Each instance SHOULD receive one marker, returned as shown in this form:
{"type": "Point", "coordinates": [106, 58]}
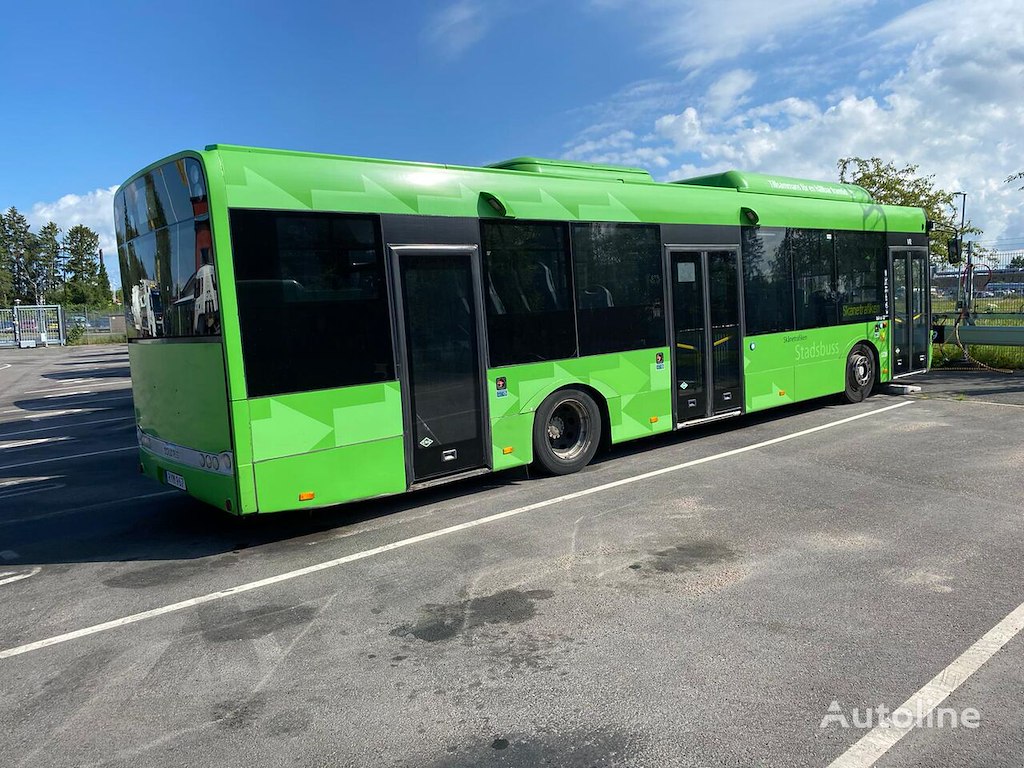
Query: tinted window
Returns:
{"type": "Point", "coordinates": [527, 286]}
{"type": "Point", "coordinates": [767, 280]}
{"type": "Point", "coordinates": [814, 282]}
{"type": "Point", "coordinates": [619, 293]}
{"type": "Point", "coordinates": [166, 253]}
{"type": "Point", "coordinates": [311, 301]}
{"type": "Point", "coordinates": [859, 260]}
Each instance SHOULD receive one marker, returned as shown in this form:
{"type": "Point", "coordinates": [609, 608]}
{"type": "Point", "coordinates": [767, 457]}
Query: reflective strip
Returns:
{"type": "Point", "coordinates": [217, 463]}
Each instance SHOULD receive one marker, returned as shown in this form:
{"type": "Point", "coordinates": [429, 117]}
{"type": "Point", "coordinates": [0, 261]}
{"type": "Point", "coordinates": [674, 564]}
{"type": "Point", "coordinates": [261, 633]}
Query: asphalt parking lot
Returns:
{"type": "Point", "coordinates": [702, 599]}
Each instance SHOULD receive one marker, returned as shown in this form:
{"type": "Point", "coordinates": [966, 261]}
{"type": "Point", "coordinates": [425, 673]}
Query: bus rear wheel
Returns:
{"type": "Point", "coordinates": [860, 374]}
{"type": "Point", "coordinates": [566, 431]}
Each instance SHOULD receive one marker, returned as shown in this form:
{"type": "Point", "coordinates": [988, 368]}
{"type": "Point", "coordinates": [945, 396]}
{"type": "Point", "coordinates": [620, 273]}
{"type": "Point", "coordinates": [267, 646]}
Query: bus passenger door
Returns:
{"type": "Point", "coordinates": [706, 324]}
{"type": "Point", "coordinates": [911, 317]}
{"type": "Point", "coordinates": [441, 360]}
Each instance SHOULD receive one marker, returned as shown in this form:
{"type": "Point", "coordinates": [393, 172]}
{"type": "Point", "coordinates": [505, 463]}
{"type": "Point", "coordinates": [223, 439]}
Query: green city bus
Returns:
{"type": "Point", "coordinates": [307, 330]}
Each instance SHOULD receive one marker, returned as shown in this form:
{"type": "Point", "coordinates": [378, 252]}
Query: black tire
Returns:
{"type": "Point", "coordinates": [566, 432]}
{"type": "Point", "coordinates": [860, 374]}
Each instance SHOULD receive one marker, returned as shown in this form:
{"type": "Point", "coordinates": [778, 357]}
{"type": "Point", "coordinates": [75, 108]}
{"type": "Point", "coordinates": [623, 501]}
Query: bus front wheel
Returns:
{"type": "Point", "coordinates": [566, 431]}
{"type": "Point", "coordinates": [860, 374]}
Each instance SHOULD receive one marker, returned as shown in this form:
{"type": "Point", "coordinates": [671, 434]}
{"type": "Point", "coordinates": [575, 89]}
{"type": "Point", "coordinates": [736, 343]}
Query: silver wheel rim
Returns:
{"type": "Point", "coordinates": [860, 370]}
{"type": "Point", "coordinates": [568, 429]}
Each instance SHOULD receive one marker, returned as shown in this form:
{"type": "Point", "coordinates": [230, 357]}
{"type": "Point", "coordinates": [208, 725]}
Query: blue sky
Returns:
{"type": "Point", "coordinates": [93, 92]}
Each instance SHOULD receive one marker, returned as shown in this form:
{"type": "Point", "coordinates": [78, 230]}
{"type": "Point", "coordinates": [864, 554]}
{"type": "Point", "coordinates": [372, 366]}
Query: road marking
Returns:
{"type": "Point", "coordinates": [174, 607]}
{"type": "Point", "coordinates": [27, 491]}
{"type": "Point", "coordinates": [88, 507]}
{"type": "Point", "coordinates": [11, 444]}
{"type": "Point", "coordinates": [23, 480]}
{"type": "Point", "coordinates": [93, 400]}
{"type": "Point", "coordinates": [5, 366]}
{"type": "Point", "coordinates": [68, 458]}
{"type": "Point", "coordinates": [122, 383]}
{"type": "Point", "coordinates": [11, 579]}
{"type": "Point", "coordinates": [36, 415]}
{"type": "Point", "coordinates": [884, 736]}
{"type": "Point", "coordinates": [65, 426]}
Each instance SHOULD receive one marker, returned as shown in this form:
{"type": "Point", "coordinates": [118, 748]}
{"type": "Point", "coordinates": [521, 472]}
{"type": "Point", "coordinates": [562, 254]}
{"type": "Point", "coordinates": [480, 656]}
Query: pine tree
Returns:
{"type": "Point", "coordinates": [102, 293]}
{"type": "Point", "coordinates": [50, 261]}
{"type": "Point", "coordinates": [20, 247]}
{"type": "Point", "coordinates": [81, 245]}
{"type": "Point", "coordinates": [6, 266]}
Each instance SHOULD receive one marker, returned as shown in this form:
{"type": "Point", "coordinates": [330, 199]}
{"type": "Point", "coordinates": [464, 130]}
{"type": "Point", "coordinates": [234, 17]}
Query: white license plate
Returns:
{"type": "Point", "coordinates": [176, 480]}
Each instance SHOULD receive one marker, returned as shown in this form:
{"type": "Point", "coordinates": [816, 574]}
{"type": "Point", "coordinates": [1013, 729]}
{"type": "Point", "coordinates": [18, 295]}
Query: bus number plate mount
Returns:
{"type": "Point", "coordinates": [173, 478]}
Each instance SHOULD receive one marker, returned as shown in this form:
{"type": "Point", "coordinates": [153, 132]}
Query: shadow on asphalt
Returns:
{"type": "Point", "coordinates": [177, 527]}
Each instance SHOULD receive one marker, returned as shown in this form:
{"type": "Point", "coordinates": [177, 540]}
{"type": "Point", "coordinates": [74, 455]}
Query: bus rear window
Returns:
{"type": "Point", "coordinates": [165, 249]}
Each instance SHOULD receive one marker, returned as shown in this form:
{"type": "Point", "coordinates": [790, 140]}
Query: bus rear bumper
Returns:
{"type": "Point", "coordinates": [209, 477]}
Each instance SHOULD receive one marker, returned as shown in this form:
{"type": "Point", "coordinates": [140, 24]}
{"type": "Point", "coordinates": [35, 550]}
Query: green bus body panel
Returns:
{"type": "Point", "coordinates": [759, 183]}
{"type": "Point", "coordinates": [341, 444]}
{"type": "Point", "coordinates": [180, 397]}
{"type": "Point", "coordinates": [216, 490]}
{"type": "Point", "coordinates": [781, 368]}
{"type": "Point", "coordinates": [635, 389]}
{"type": "Point", "coordinates": [258, 178]}
{"type": "Point", "coordinates": [335, 475]}
{"type": "Point", "coordinates": [285, 425]}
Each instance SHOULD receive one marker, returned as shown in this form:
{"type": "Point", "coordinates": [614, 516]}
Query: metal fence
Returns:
{"type": "Point", "coordinates": [32, 326]}
{"type": "Point", "coordinates": [985, 296]}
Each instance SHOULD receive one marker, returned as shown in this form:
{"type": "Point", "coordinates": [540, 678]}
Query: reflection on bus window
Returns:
{"type": "Point", "coordinates": [165, 248]}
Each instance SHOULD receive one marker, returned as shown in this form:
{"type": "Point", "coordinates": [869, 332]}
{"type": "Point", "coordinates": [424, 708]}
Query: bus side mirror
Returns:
{"type": "Point", "coordinates": [954, 251]}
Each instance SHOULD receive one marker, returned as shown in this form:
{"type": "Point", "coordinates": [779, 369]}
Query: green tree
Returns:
{"type": "Point", "coordinates": [21, 254]}
{"type": "Point", "coordinates": [102, 286]}
{"type": "Point", "coordinates": [890, 185]}
{"type": "Point", "coordinates": [6, 265]}
{"type": "Point", "coordinates": [50, 256]}
{"type": "Point", "coordinates": [82, 245]}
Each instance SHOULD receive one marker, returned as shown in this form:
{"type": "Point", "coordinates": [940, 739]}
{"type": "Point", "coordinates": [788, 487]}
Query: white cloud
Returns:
{"type": "Point", "coordinates": [456, 28]}
{"type": "Point", "coordinates": [728, 92]}
{"type": "Point", "coordinates": [950, 99]}
{"type": "Point", "coordinates": [93, 209]}
{"type": "Point", "coordinates": [698, 33]}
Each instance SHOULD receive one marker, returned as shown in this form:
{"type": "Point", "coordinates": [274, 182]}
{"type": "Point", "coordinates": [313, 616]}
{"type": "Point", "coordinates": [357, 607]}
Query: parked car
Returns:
{"type": "Point", "coordinates": [80, 321]}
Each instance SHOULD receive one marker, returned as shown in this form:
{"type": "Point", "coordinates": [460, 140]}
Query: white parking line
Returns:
{"type": "Point", "coordinates": [68, 458]}
{"type": "Point", "coordinates": [94, 400]}
{"type": "Point", "coordinates": [173, 607]}
{"type": "Point", "coordinates": [84, 382]}
{"type": "Point", "coordinates": [65, 426]}
{"type": "Point", "coordinates": [883, 736]}
{"type": "Point", "coordinates": [23, 480]}
{"type": "Point", "coordinates": [12, 578]}
{"type": "Point", "coordinates": [12, 444]}
{"type": "Point", "coordinates": [35, 415]}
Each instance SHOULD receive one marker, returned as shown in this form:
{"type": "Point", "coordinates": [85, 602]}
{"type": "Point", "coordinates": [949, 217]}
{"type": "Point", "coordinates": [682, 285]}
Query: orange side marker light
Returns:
{"type": "Point", "coordinates": [307, 496]}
